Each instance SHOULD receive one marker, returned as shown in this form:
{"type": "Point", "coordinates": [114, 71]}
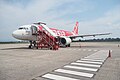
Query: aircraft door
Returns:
{"type": "Point", "coordinates": [34, 30]}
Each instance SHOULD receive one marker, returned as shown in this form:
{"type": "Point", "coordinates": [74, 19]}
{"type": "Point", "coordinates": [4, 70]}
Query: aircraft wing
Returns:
{"type": "Point", "coordinates": [89, 35]}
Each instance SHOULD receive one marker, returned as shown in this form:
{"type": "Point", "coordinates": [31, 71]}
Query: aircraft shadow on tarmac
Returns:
{"type": "Point", "coordinates": [48, 49]}
{"type": "Point", "coordinates": [24, 48]}
{"type": "Point", "coordinates": [15, 48]}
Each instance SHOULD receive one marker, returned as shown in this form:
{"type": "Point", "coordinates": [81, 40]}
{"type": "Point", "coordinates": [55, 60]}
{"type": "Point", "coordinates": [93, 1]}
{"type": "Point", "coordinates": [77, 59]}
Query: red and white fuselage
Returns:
{"type": "Point", "coordinates": [26, 33]}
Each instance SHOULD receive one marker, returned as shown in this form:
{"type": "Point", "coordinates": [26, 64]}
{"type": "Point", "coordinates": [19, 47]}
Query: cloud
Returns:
{"type": "Point", "coordinates": [56, 13]}
{"type": "Point", "coordinates": [109, 18]}
{"type": "Point", "coordinates": [13, 14]}
{"type": "Point", "coordinates": [109, 22]}
{"type": "Point", "coordinates": [37, 10]}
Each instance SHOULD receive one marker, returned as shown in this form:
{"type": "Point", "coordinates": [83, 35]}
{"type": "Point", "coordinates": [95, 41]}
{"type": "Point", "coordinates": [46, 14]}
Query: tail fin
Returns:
{"type": "Point", "coordinates": [75, 31]}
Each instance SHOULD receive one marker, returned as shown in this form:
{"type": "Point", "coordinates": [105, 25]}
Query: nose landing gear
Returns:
{"type": "Point", "coordinates": [32, 44]}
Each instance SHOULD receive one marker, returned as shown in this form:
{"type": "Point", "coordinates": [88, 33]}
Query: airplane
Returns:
{"type": "Point", "coordinates": [28, 32]}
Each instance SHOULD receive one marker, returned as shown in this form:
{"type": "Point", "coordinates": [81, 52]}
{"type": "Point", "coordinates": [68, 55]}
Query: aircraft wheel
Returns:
{"type": "Point", "coordinates": [68, 45]}
{"type": "Point", "coordinates": [30, 47]}
{"type": "Point", "coordinates": [37, 47]}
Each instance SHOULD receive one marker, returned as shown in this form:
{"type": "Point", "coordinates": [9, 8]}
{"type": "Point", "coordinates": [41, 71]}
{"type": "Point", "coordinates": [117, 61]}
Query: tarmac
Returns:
{"type": "Point", "coordinates": [17, 62]}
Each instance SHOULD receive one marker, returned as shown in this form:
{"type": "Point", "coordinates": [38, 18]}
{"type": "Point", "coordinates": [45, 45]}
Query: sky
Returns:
{"type": "Point", "coordinates": [94, 16]}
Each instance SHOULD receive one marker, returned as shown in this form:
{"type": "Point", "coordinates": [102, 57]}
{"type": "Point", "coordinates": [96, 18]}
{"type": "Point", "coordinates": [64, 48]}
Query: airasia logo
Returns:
{"type": "Point", "coordinates": [59, 33]}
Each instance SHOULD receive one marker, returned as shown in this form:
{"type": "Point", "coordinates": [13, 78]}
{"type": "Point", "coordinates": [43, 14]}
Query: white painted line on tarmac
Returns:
{"type": "Point", "coordinates": [95, 50]}
{"type": "Point", "coordinates": [89, 50]}
{"type": "Point", "coordinates": [111, 50]}
{"type": "Point", "coordinates": [57, 77]}
{"type": "Point", "coordinates": [102, 54]}
{"type": "Point", "coordinates": [89, 65]}
{"type": "Point", "coordinates": [92, 60]}
{"type": "Point", "coordinates": [84, 49]}
{"type": "Point", "coordinates": [89, 62]}
{"type": "Point", "coordinates": [75, 73]}
{"type": "Point", "coordinates": [81, 68]}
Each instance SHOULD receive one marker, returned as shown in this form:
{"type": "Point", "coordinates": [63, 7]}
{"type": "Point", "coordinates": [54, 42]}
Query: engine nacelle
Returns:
{"type": "Point", "coordinates": [65, 40]}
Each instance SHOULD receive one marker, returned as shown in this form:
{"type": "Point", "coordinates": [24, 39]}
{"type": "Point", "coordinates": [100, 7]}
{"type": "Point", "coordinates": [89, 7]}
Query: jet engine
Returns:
{"type": "Point", "coordinates": [65, 40]}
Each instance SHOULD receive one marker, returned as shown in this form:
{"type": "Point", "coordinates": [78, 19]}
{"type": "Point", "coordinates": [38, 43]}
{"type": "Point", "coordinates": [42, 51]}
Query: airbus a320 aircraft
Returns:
{"type": "Point", "coordinates": [26, 32]}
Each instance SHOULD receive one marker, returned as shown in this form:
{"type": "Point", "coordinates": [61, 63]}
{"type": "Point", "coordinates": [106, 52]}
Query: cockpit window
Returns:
{"type": "Point", "coordinates": [23, 28]}
{"type": "Point", "coordinates": [20, 28]}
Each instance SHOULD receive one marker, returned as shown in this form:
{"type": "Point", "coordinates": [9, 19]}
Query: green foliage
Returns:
{"type": "Point", "coordinates": [100, 40]}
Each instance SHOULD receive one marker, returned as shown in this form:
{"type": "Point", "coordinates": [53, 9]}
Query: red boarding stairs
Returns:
{"type": "Point", "coordinates": [45, 40]}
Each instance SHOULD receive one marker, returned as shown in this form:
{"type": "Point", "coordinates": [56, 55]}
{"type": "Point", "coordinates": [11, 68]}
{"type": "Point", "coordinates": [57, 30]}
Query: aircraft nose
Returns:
{"type": "Point", "coordinates": [16, 34]}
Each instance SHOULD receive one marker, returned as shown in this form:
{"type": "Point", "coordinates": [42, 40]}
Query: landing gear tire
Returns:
{"type": "Point", "coordinates": [33, 45]}
{"type": "Point", "coordinates": [36, 47]}
{"type": "Point", "coordinates": [68, 45]}
{"type": "Point", "coordinates": [30, 47]}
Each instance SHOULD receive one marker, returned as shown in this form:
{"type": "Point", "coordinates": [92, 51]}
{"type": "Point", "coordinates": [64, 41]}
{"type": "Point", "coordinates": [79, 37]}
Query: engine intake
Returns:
{"type": "Point", "coordinates": [65, 41]}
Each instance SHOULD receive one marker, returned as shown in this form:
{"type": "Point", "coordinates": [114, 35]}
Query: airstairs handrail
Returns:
{"type": "Point", "coordinates": [46, 28]}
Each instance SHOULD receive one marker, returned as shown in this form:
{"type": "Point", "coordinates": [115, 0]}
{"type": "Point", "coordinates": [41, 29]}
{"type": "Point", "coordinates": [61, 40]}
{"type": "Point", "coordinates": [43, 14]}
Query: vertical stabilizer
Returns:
{"type": "Point", "coordinates": [75, 30]}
